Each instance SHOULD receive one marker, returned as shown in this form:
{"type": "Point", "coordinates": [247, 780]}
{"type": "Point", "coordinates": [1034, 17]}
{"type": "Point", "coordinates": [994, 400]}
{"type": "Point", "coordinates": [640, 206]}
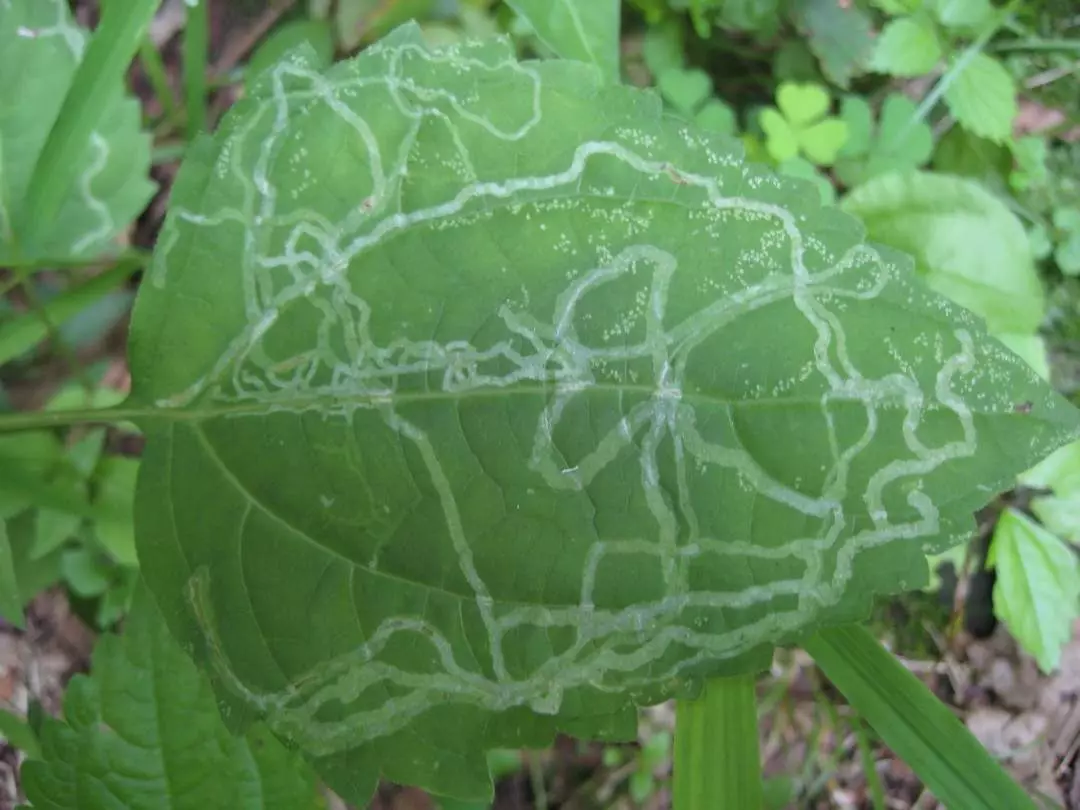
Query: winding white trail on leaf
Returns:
{"type": "Point", "coordinates": [346, 371]}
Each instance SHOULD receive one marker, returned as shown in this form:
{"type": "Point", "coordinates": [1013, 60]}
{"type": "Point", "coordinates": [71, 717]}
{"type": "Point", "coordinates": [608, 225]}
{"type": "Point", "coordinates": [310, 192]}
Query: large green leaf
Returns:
{"type": "Point", "coordinates": [40, 49]}
{"type": "Point", "coordinates": [587, 30]}
{"type": "Point", "coordinates": [482, 399]}
{"type": "Point", "coordinates": [143, 732]}
{"type": "Point", "coordinates": [966, 243]}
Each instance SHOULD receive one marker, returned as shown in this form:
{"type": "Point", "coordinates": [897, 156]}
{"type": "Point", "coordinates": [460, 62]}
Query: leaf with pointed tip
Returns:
{"type": "Point", "coordinates": [40, 49]}
{"type": "Point", "coordinates": [498, 402]}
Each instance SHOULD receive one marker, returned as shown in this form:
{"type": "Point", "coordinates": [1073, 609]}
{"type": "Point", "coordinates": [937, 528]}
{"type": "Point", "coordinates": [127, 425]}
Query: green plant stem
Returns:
{"type": "Point", "coordinates": [913, 722]}
{"type": "Point", "coordinates": [101, 71]}
{"type": "Point", "coordinates": [717, 760]}
{"type": "Point", "coordinates": [866, 755]}
{"type": "Point", "coordinates": [20, 334]}
{"type": "Point", "coordinates": [154, 68]}
{"type": "Point", "coordinates": [196, 43]}
{"type": "Point", "coordinates": [1039, 45]}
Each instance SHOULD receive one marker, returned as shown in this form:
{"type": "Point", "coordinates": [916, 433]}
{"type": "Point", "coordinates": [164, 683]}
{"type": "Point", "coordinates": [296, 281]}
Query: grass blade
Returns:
{"type": "Point", "coordinates": [717, 761]}
{"type": "Point", "coordinates": [196, 44]}
{"type": "Point", "coordinates": [20, 334]}
{"type": "Point", "coordinates": [111, 49]}
{"type": "Point", "coordinates": [913, 722]}
{"type": "Point", "coordinates": [154, 68]}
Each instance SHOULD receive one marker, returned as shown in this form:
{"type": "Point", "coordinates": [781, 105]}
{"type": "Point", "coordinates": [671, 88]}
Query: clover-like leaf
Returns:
{"type": "Point", "coordinates": [143, 732]}
{"type": "Point", "coordinates": [802, 125]}
{"type": "Point", "coordinates": [898, 143]}
{"type": "Point", "coordinates": [499, 402]}
{"type": "Point", "coordinates": [40, 49]}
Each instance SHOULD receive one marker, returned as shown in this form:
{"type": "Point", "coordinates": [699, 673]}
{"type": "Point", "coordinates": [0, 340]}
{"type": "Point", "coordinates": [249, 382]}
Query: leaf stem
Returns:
{"type": "Point", "coordinates": [196, 44]}
{"type": "Point", "coordinates": [717, 760]}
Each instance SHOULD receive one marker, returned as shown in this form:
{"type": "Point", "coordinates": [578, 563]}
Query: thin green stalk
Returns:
{"type": "Point", "coordinates": [717, 760]}
{"type": "Point", "coordinates": [22, 333]}
{"type": "Point", "coordinates": [913, 722]}
{"type": "Point", "coordinates": [154, 68]}
{"type": "Point", "coordinates": [101, 71]}
{"type": "Point", "coordinates": [1039, 45]}
{"type": "Point", "coordinates": [866, 754]}
{"type": "Point", "coordinates": [196, 44]}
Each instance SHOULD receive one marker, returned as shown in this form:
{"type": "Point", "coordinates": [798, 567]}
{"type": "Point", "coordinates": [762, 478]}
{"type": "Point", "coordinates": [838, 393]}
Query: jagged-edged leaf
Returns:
{"type": "Point", "coordinates": [1037, 589]}
{"type": "Point", "coordinates": [586, 30]}
{"type": "Point", "coordinates": [968, 245]}
{"type": "Point", "coordinates": [983, 98]}
{"type": "Point", "coordinates": [143, 732]}
{"type": "Point", "coordinates": [499, 402]}
{"type": "Point", "coordinates": [40, 48]}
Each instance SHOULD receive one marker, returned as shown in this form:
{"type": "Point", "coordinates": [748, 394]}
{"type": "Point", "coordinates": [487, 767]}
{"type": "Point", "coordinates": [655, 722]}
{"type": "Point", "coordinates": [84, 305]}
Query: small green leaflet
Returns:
{"type": "Point", "coordinates": [982, 96]}
{"type": "Point", "coordinates": [1037, 591]}
{"type": "Point", "coordinates": [500, 402]}
{"type": "Point", "coordinates": [143, 732]}
{"type": "Point", "coordinates": [586, 30]}
{"type": "Point", "coordinates": [40, 48]}
{"type": "Point", "coordinates": [802, 124]}
{"type": "Point", "coordinates": [907, 46]}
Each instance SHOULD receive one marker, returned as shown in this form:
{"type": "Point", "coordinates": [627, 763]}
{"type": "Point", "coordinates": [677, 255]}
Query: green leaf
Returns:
{"type": "Point", "coordinates": [1037, 589]}
{"type": "Point", "coordinates": [1060, 473]}
{"type": "Point", "coordinates": [18, 733]}
{"type": "Point", "coordinates": [800, 167]}
{"type": "Point", "coordinates": [586, 30]}
{"type": "Point", "coordinates": [662, 47]}
{"type": "Point", "coordinates": [781, 139]}
{"type": "Point", "coordinates": [40, 49]}
{"type": "Point", "coordinates": [966, 244]}
{"type": "Point", "coordinates": [963, 14]}
{"type": "Point", "coordinates": [475, 426]}
{"type": "Point", "coordinates": [360, 21]}
{"type": "Point", "coordinates": [685, 90]}
{"type": "Point", "coordinates": [911, 720]}
{"type": "Point", "coordinates": [116, 494]}
{"type": "Point", "coordinates": [960, 152]}
{"type": "Point", "coordinates": [716, 116]}
{"type": "Point", "coordinates": [143, 732]}
{"type": "Point", "coordinates": [315, 33]}
{"type": "Point", "coordinates": [823, 141]}
{"type": "Point", "coordinates": [907, 46]}
{"type": "Point", "coordinates": [982, 97]}
{"type": "Point", "coordinates": [85, 571]}
{"type": "Point", "coordinates": [1067, 255]}
{"type": "Point", "coordinates": [841, 35]}
{"type": "Point", "coordinates": [897, 144]}
{"type": "Point", "coordinates": [11, 603]}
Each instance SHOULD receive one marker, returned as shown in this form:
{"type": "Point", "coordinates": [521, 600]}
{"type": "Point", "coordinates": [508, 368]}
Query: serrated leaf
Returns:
{"type": "Point", "coordinates": [143, 732]}
{"type": "Point", "coordinates": [907, 46]}
{"type": "Point", "coordinates": [115, 530]}
{"type": "Point", "coordinates": [586, 30]}
{"type": "Point", "coordinates": [1037, 589]}
{"type": "Point", "coordinates": [484, 431]}
{"type": "Point", "coordinates": [982, 97]}
{"type": "Point", "coordinates": [966, 243]}
{"type": "Point", "coordinates": [40, 48]}
{"type": "Point", "coordinates": [840, 35]}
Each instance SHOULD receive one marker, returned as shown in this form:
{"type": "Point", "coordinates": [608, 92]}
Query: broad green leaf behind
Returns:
{"type": "Point", "coordinates": [498, 402]}
{"type": "Point", "coordinates": [40, 48]}
{"type": "Point", "coordinates": [586, 30]}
